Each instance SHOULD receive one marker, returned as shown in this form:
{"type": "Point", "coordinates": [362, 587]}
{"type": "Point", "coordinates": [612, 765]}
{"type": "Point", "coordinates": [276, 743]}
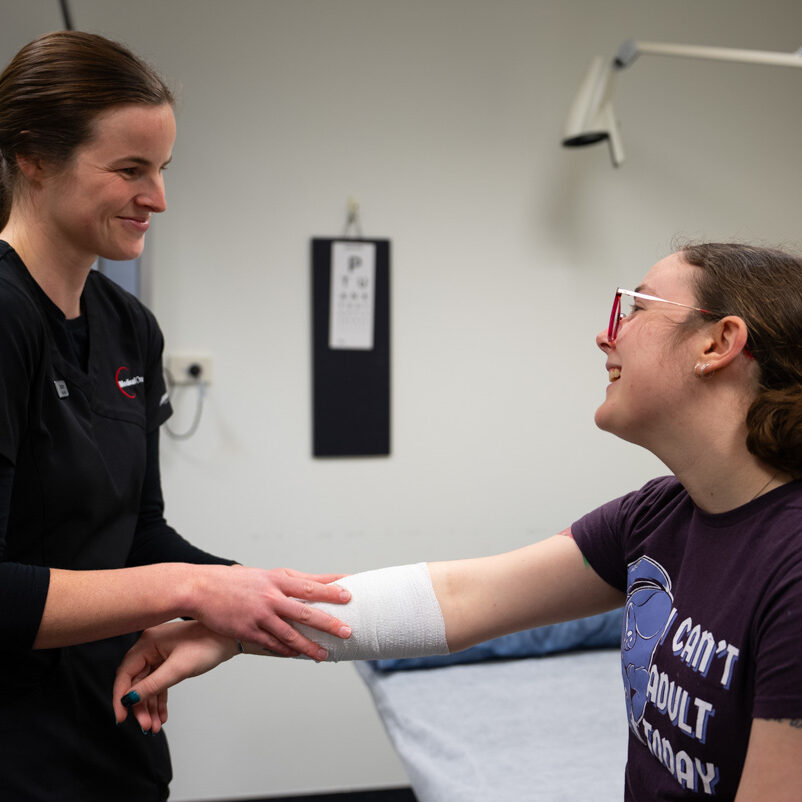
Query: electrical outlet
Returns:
{"type": "Point", "coordinates": [189, 368]}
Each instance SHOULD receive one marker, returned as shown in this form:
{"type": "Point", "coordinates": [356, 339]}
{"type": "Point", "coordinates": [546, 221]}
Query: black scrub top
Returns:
{"type": "Point", "coordinates": [77, 440]}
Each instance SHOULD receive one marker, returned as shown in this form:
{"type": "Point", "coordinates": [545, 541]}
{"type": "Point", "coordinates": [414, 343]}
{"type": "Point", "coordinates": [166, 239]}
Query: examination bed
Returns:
{"type": "Point", "coordinates": [510, 728]}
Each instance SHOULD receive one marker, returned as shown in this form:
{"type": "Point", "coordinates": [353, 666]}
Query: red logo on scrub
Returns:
{"type": "Point", "coordinates": [123, 380]}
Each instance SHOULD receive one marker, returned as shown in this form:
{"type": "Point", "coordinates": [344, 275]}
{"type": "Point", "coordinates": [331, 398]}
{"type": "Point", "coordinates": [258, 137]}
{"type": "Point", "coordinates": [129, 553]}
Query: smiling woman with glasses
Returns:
{"type": "Point", "coordinates": [706, 562]}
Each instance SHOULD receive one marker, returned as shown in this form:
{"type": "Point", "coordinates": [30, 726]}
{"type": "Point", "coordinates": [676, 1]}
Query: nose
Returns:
{"type": "Point", "coordinates": [603, 342]}
{"type": "Point", "coordinates": [154, 197]}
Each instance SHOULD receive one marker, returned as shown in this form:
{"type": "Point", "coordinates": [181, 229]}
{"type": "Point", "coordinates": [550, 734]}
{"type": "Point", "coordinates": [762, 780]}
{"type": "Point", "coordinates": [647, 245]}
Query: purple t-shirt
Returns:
{"type": "Point", "coordinates": [711, 635]}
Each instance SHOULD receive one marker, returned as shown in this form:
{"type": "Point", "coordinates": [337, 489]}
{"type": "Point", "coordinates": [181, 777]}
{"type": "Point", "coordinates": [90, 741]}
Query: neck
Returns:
{"type": "Point", "coordinates": [61, 274]}
{"type": "Point", "coordinates": [724, 475]}
{"type": "Point", "coordinates": [703, 441]}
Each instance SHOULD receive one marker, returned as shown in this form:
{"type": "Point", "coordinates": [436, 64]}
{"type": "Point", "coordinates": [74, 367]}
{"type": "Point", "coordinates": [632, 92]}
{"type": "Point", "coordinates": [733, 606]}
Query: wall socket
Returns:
{"type": "Point", "coordinates": [189, 368]}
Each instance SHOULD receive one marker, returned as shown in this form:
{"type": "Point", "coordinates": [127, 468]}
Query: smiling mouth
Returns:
{"type": "Point", "coordinates": [614, 374]}
{"type": "Point", "coordinates": [138, 223]}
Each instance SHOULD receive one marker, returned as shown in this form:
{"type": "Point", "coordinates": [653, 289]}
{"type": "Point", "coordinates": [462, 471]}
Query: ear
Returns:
{"type": "Point", "coordinates": [726, 340]}
{"type": "Point", "coordinates": [31, 167]}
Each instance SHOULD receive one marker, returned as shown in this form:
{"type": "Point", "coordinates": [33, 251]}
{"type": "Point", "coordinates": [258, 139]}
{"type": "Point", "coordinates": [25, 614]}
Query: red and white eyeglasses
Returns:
{"type": "Point", "coordinates": [623, 307]}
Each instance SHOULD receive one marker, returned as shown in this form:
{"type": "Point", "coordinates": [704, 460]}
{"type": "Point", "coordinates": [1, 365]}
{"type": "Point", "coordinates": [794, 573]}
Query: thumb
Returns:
{"type": "Point", "coordinates": [148, 701]}
{"type": "Point", "coordinates": [152, 685]}
{"type": "Point", "coordinates": [163, 657]}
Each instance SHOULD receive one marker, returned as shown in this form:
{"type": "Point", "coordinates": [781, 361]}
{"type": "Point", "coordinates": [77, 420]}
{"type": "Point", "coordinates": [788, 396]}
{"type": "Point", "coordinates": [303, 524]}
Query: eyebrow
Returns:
{"type": "Point", "coordinates": [140, 160]}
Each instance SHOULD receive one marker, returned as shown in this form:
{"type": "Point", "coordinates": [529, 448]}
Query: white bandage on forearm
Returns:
{"type": "Point", "coordinates": [393, 612]}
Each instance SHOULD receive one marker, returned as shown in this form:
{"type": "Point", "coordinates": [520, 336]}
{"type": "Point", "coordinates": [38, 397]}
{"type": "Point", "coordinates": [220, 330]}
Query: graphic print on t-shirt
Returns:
{"type": "Point", "coordinates": [649, 618]}
{"type": "Point", "coordinates": [646, 616]}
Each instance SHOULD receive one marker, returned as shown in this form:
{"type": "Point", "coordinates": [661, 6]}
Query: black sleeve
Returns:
{"type": "Point", "coordinates": [155, 541]}
{"type": "Point", "coordinates": [23, 588]}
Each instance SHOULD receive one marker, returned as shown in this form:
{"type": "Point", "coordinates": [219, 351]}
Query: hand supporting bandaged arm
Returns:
{"type": "Point", "coordinates": [405, 611]}
{"type": "Point", "coordinates": [393, 612]}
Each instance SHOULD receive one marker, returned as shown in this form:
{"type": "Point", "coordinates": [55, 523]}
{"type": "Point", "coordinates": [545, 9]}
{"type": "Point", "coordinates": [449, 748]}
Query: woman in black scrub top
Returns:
{"type": "Point", "coordinates": [86, 557]}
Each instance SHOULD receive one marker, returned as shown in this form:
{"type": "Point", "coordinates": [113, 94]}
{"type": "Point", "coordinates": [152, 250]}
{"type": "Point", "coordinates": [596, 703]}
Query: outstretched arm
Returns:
{"type": "Point", "coordinates": [246, 603]}
{"type": "Point", "coordinates": [477, 599]}
{"type": "Point", "coordinates": [472, 599]}
{"type": "Point", "coordinates": [543, 583]}
{"type": "Point", "coordinates": [48, 608]}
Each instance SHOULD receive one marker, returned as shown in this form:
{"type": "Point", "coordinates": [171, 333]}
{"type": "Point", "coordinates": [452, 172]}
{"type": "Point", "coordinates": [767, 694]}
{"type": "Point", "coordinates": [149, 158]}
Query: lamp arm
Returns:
{"type": "Point", "coordinates": [631, 49]}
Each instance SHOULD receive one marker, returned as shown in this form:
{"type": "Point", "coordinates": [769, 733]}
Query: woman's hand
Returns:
{"type": "Point", "coordinates": [162, 657]}
{"type": "Point", "coordinates": [251, 604]}
{"type": "Point", "coordinates": [259, 606]}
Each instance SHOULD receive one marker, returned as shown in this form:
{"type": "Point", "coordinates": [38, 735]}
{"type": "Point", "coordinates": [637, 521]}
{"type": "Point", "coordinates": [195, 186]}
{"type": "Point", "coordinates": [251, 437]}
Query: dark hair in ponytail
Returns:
{"type": "Point", "coordinates": [52, 91]}
{"type": "Point", "coordinates": [762, 286]}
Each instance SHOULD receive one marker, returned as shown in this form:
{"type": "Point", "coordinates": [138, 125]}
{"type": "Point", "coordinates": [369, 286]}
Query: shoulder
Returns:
{"type": "Point", "coordinates": [111, 292]}
{"type": "Point", "coordinates": [657, 492]}
{"type": "Point", "coordinates": [609, 535]}
{"type": "Point", "coordinates": [641, 506]}
{"type": "Point", "coordinates": [788, 498]}
{"type": "Point", "coordinates": [771, 525]}
{"type": "Point", "coordinates": [122, 304]}
{"type": "Point", "coordinates": [20, 314]}
{"type": "Point", "coordinates": [777, 531]}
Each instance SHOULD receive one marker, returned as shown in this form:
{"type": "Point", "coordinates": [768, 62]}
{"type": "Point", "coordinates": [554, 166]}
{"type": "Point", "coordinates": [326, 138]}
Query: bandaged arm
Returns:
{"type": "Point", "coordinates": [393, 612]}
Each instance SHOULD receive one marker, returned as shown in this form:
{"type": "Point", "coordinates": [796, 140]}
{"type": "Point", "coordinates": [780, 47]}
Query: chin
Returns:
{"type": "Point", "coordinates": [123, 252]}
{"type": "Point", "coordinates": [605, 420]}
{"type": "Point", "coordinates": [600, 418]}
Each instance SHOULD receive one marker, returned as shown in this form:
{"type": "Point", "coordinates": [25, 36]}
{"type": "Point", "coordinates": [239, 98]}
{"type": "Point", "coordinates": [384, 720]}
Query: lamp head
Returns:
{"type": "Point", "coordinates": [591, 118]}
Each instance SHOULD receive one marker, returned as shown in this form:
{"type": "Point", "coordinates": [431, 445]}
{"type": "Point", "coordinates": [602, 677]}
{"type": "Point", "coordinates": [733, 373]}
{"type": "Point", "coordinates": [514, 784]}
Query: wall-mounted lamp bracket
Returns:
{"type": "Point", "coordinates": [591, 118]}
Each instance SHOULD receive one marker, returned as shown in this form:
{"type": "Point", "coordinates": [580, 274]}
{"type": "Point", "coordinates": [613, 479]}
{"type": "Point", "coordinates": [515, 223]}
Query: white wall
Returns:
{"type": "Point", "coordinates": [442, 118]}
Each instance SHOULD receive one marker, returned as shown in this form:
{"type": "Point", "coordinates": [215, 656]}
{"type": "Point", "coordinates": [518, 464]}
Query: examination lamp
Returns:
{"type": "Point", "coordinates": [592, 119]}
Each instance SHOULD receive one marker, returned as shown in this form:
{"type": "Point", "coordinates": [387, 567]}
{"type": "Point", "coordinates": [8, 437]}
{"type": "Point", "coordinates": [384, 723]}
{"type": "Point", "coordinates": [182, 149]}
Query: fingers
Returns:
{"type": "Point", "coordinates": [274, 629]}
{"type": "Point", "coordinates": [314, 588]}
{"type": "Point", "coordinates": [318, 618]}
{"type": "Point", "coordinates": [134, 666]}
{"type": "Point", "coordinates": [270, 642]}
{"type": "Point", "coordinates": [179, 651]}
{"type": "Point", "coordinates": [151, 713]}
{"type": "Point", "coordinates": [156, 714]}
{"type": "Point", "coordinates": [281, 638]}
{"type": "Point", "coordinates": [136, 698]}
{"type": "Point", "coordinates": [162, 708]}
{"type": "Point", "coordinates": [155, 706]}
{"type": "Point", "coordinates": [261, 606]}
{"type": "Point", "coordinates": [147, 696]}
{"type": "Point", "coordinates": [284, 637]}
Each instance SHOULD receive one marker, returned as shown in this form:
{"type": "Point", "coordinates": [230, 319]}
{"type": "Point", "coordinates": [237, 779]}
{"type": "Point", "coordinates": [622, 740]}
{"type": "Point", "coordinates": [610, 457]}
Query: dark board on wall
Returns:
{"type": "Point", "coordinates": [351, 347]}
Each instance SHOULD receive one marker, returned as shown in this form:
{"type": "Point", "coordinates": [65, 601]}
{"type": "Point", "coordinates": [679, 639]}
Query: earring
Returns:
{"type": "Point", "coordinates": [700, 369]}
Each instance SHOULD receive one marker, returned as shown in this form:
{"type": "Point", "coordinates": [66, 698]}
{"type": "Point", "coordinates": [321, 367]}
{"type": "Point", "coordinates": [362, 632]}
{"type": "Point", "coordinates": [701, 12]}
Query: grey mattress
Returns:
{"type": "Point", "coordinates": [544, 728]}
